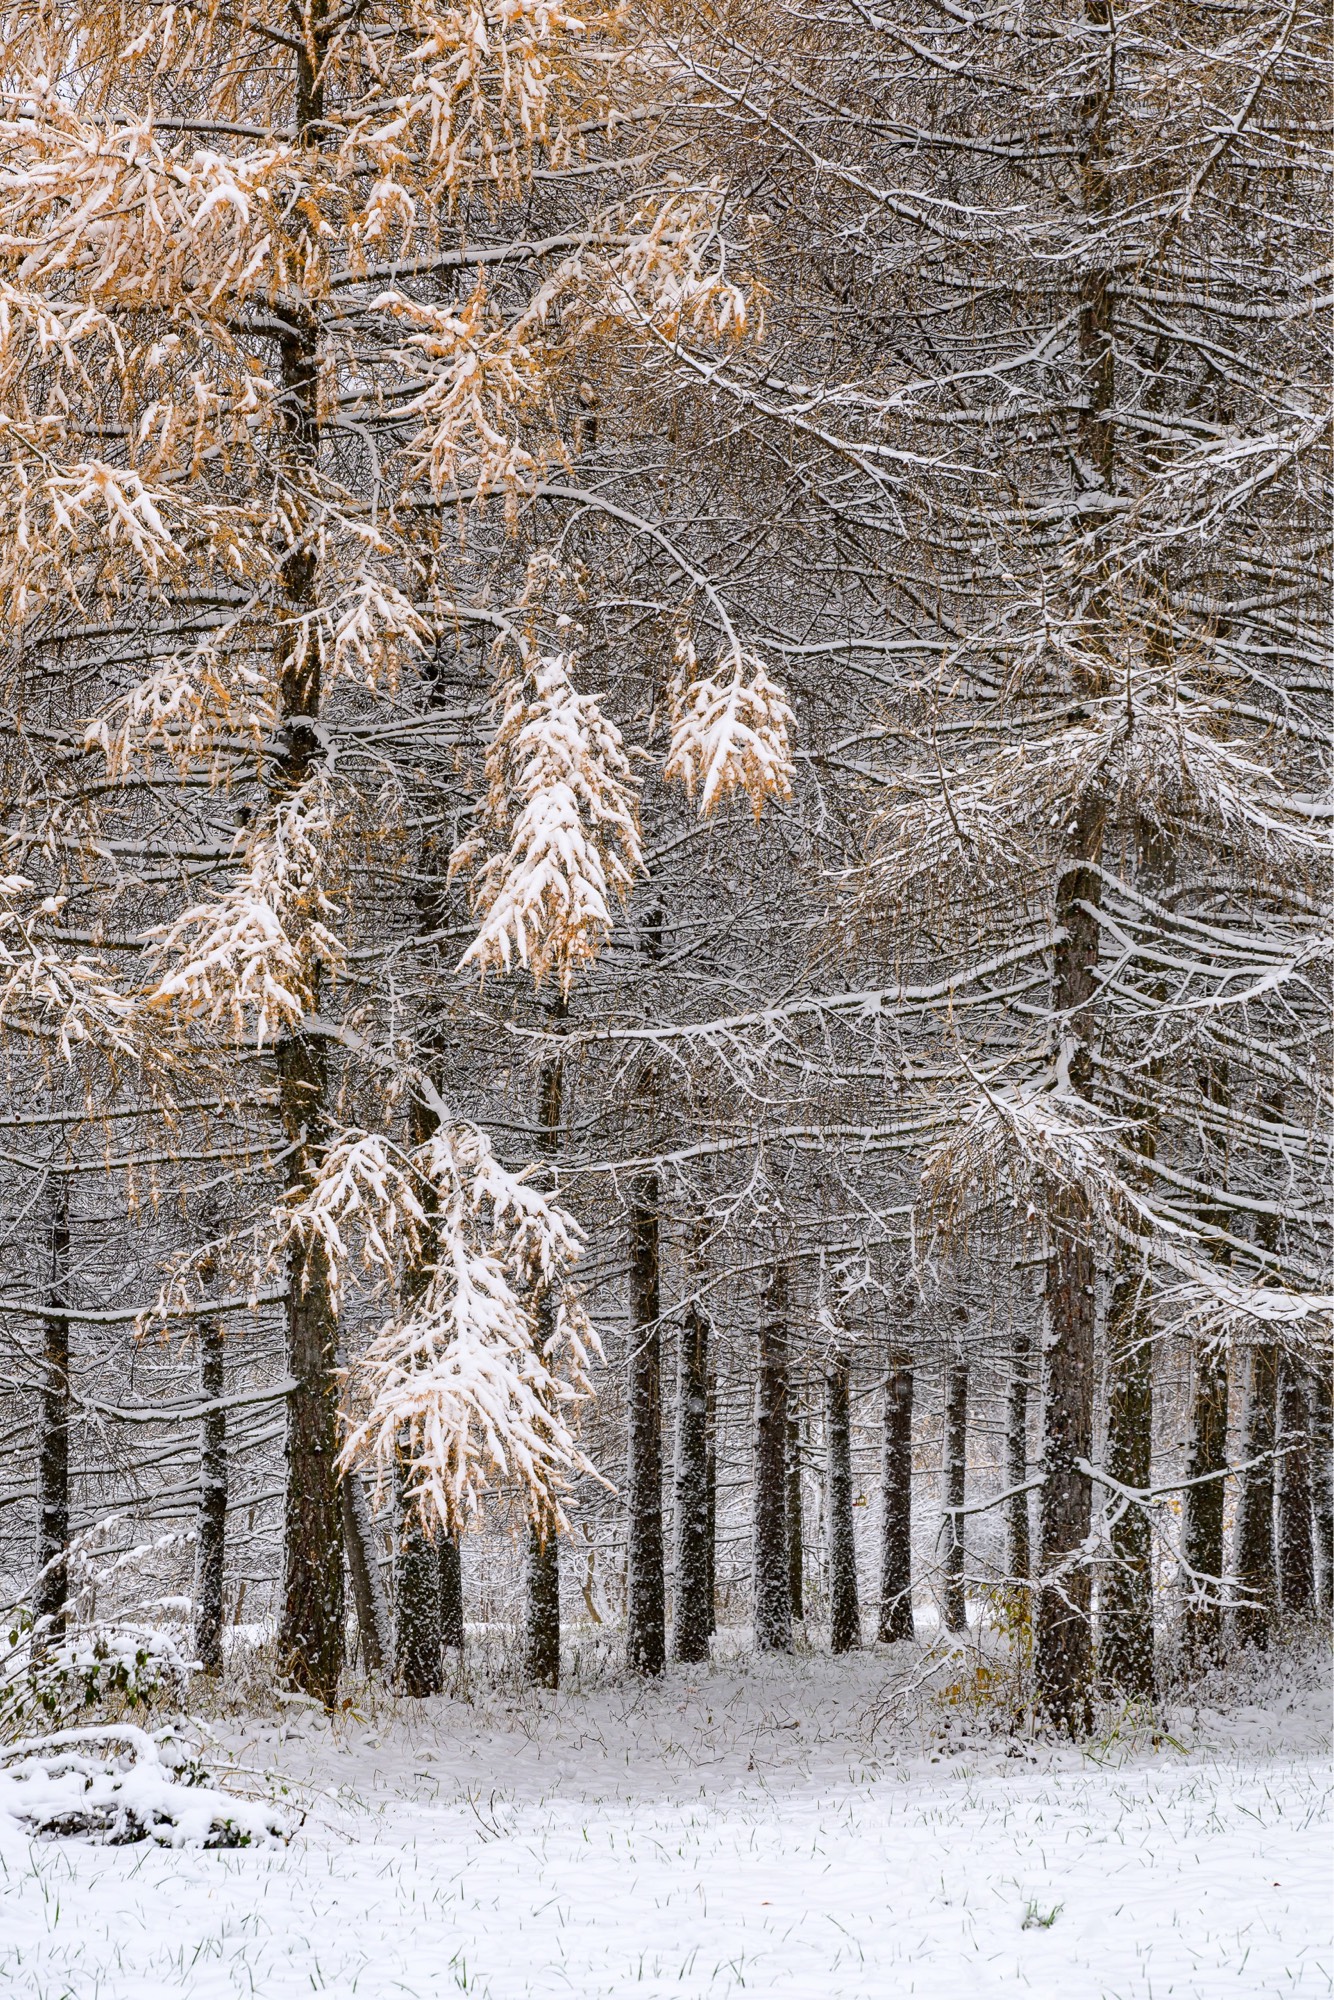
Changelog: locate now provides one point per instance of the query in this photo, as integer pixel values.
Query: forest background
(664, 945)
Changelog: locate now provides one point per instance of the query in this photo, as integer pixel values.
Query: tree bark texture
(1126, 1654)
(1019, 1540)
(1062, 1638)
(211, 1518)
(845, 1619)
(418, 1657)
(955, 1484)
(373, 1621)
(542, 1636)
(796, 1542)
(449, 1557)
(1296, 1555)
(310, 1639)
(53, 1417)
(690, 1635)
(711, 1492)
(1253, 1537)
(1322, 1480)
(542, 1610)
(896, 1619)
(1202, 1509)
(646, 1608)
(773, 1596)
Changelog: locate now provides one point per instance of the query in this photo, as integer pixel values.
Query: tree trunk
(773, 1598)
(896, 1619)
(542, 1639)
(1126, 1656)
(418, 1659)
(373, 1622)
(845, 1619)
(1253, 1538)
(1202, 1510)
(211, 1519)
(310, 1639)
(1062, 1639)
(955, 1603)
(796, 1546)
(52, 1589)
(690, 1635)
(1019, 1542)
(1295, 1552)
(1322, 1480)
(450, 1558)
(542, 1617)
(711, 1492)
(646, 1609)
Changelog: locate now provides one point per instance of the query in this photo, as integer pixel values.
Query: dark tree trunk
(1202, 1509)
(542, 1615)
(1254, 1532)
(211, 1519)
(773, 1598)
(711, 1491)
(52, 1590)
(1295, 1550)
(796, 1545)
(1126, 1657)
(373, 1622)
(542, 1638)
(450, 1559)
(896, 1619)
(1062, 1638)
(646, 1609)
(1322, 1480)
(690, 1636)
(310, 1639)
(1019, 1541)
(955, 1602)
(845, 1618)
(418, 1659)
(1062, 1635)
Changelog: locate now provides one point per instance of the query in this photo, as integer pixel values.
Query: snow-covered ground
(790, 1830)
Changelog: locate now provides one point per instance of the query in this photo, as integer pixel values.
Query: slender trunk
(310, 1639)
(796, 1547)
(1295, 1551)
(211, 1519)
(1202, 1510)
(690, 1635)
(1254, 1533)
(773, 1597)
(955, 1489)
(646, 1611)
(711, 1497)
(542, 1636)
(373, 1621)
(1062, 1636)
(52, 1591)
(449, 1556)
(1322, 1480)
(542, 1614)
(418, 1661)
(896, 1619)
(845, 1618)
(1126, 1656)
(1019, 1543)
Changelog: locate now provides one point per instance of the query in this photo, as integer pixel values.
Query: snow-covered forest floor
(831, 1829)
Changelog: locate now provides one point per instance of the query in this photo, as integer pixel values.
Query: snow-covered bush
(108, 1667)
(111, 1784)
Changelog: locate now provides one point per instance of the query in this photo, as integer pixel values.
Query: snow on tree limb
(730, 731)
(561, 794)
